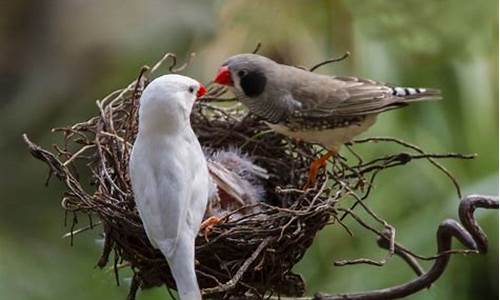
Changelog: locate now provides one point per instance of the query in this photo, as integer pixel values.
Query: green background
(58, 57)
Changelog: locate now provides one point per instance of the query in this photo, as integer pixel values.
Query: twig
(429, 158)
(231, 283)
(80, 230)
(329, 61)
(257, 48)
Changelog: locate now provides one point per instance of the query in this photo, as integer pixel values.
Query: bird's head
(246, 74)
(167, 101)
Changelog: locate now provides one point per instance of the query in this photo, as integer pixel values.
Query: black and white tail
(416, 94)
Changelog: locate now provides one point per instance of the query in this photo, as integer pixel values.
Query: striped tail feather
(416, 94)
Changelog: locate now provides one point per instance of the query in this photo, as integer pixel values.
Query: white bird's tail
(181, 264)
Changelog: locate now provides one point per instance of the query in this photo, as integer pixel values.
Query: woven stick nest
(251, 256)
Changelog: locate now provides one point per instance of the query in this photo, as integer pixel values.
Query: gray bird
(310, 107)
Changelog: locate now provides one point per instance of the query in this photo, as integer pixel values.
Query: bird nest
(249, 256)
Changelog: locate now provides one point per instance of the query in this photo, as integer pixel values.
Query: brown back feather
(326, 96)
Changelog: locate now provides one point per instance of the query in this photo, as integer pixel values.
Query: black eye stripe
(253, 83)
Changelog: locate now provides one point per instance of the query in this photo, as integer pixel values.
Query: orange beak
(224, 76)
(201, 91)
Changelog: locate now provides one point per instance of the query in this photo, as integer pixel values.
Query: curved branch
(470, 235)
(466, 215)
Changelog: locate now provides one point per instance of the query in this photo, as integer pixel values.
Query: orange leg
(316, 165)
(207, 225)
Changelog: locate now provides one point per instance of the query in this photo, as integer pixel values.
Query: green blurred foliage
(58, 57)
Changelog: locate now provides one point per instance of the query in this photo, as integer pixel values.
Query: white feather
(235, 174)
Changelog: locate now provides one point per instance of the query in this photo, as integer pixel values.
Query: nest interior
(253, 255)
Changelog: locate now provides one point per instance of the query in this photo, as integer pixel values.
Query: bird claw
(207, 225)
(313, 173)
(316, 165)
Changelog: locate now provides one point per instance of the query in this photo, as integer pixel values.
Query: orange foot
(316, 165)
(207, 225)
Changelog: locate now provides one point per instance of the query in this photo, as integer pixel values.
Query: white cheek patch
(237, 84)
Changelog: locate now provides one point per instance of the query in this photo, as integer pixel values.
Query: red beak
(224, 76)
(201, 91)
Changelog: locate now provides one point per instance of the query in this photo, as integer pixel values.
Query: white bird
(169, 175)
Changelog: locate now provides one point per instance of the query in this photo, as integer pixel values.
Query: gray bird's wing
(324, 96)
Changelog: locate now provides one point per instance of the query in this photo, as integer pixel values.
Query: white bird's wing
(172, 207)
(161, 199)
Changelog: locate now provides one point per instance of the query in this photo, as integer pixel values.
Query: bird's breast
(330, 135)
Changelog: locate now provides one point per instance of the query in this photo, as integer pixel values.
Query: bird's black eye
(242, 73)
(191, 89)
